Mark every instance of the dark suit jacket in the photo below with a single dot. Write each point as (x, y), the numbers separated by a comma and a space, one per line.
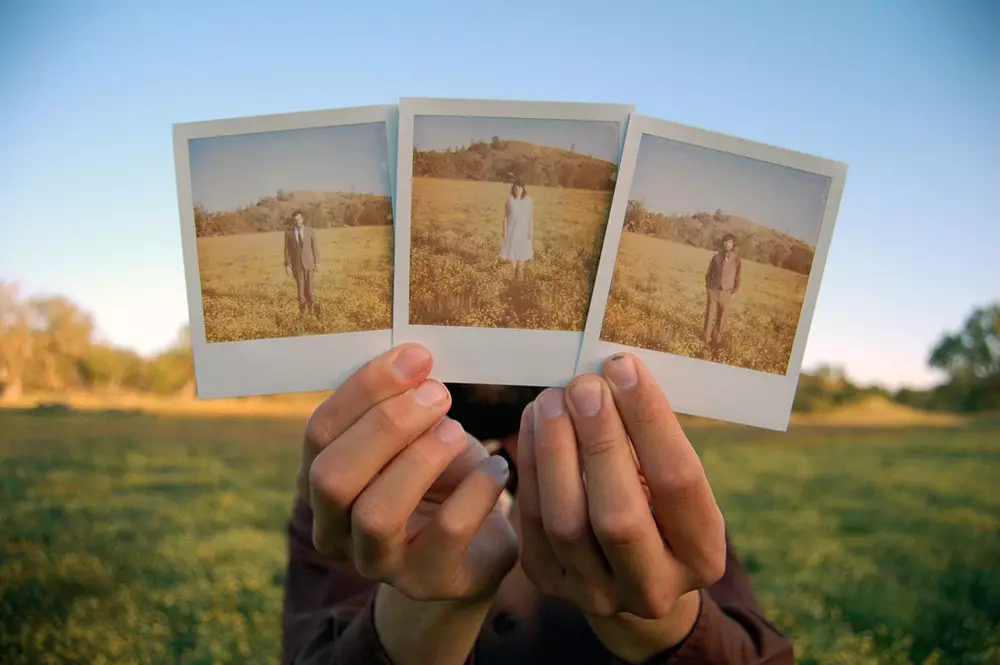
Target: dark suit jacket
(305, 257)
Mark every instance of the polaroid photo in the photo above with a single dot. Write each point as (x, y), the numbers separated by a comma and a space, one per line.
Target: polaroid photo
(287, 234)
(502, 208)
(711, 266)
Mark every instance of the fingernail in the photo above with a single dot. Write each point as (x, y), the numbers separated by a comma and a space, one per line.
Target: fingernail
(450, 431)
(621, 371)
(587, 397)
(497, 469)
(411, 362)
(551, 404)
(429, 393)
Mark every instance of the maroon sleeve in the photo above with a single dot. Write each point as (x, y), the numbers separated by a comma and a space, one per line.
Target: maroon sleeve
(327, 615)
(731, 628)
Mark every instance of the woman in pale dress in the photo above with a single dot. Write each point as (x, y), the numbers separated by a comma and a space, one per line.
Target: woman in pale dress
(518, 228)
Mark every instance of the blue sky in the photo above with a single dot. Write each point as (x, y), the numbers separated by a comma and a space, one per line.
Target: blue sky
(232, 171)
(680, 179)
(598, 139)
(905, 92)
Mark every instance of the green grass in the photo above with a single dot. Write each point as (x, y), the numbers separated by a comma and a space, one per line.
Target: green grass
(142, 539)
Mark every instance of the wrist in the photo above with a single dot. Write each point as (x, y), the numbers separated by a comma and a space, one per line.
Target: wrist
(432, 632)
(636, 640)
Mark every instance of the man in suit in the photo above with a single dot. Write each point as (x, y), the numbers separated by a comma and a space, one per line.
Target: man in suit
(722, 281)
(302, 259)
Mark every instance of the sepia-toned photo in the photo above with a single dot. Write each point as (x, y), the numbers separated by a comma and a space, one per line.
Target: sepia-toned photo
(710, 268)
(507, 219)
(287, 234)
(715, 255)
(294, 231)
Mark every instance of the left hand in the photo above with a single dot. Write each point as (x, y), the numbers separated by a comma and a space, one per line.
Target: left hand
(617, 516)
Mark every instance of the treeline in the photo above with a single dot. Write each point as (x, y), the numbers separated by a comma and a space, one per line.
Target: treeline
(505, 161)
(48, 344)
(969, 357)
(320, 210)
(706, 230)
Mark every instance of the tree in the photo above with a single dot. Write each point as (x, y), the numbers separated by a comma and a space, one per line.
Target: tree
(971, 357)
(64, 334)
(15, 341)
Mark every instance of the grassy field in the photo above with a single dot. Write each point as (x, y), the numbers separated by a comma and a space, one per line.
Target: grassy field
(657, 302)
(458, 279)
(247, 295)
(158, 539)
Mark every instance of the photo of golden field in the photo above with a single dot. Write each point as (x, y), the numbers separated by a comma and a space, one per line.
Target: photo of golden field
(247, 295)
(458, 279)
(294, 232)
(695, 274)
(657, 302)
(463, 270)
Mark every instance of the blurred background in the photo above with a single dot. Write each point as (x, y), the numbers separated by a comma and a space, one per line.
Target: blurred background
(140, 525)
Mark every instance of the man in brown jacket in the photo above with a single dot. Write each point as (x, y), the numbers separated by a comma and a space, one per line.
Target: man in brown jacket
(301, 259)
(722, 280)
(411, 544)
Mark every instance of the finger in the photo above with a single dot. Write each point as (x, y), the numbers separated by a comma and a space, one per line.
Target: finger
(647, 577)
(380, 513)
(686, 510)
(390, 374)
(561, 492)
(445, 542)
(351, 461)
(537, 557)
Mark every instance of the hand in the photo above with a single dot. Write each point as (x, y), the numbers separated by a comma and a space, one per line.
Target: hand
(288, 271)
(628, 532)
(402, 491)
(316, 267)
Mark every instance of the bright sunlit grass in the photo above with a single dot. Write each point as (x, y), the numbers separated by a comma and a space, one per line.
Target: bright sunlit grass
(151, 539)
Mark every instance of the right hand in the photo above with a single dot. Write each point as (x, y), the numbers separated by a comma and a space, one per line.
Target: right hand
(402, 491)
(288, 271)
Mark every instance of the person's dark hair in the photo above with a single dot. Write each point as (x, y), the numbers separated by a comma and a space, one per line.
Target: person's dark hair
(518, 183)
(291, 218)
(728, 236)
(490, 412)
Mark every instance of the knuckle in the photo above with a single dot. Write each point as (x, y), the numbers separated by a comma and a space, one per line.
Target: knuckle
(370, 381)
(710, 570)
(372, 522)
(567, 531)
(453, 529)
(600, 444)
(318, 434)
(680, 482)
(649, 411)
(653, 603)
(330, 486)
(390, 420)
(618, 529)
(597, 603)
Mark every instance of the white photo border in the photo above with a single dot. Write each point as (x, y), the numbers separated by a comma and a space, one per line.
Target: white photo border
(278, 365)
(699, 387)
(500, 356)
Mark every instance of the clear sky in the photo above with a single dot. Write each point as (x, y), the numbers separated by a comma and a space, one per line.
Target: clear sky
(593, 138)
(680, 179)
(907, 92)
(232, 171)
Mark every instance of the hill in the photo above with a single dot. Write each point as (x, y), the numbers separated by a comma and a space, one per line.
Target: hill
(503, 161)
(320, 209)
(702, 229)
